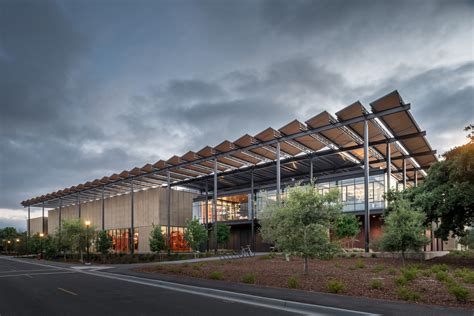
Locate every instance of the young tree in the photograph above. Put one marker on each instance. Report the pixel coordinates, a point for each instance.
(347, 226)
(468, 239)
(104, 242)
(195, 234)
(301, 225)
(35, 244)
(157, 240)
(223, 233)
(404, 229)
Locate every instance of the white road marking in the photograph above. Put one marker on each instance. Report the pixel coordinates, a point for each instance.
(33, 270)
(30, 274)
(69, 292)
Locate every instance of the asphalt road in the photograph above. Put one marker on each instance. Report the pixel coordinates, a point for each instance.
(30, 289)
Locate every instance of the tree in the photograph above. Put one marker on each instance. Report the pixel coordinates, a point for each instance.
(104, 242)
(347, 226)
(73, 236)
(35, 244)
(447, 193)
(404, 229)
(223, 234)
(468, 239)
(195, 234)
(301, 225)
(157, 240)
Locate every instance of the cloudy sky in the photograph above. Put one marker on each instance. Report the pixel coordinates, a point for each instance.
(89, 88)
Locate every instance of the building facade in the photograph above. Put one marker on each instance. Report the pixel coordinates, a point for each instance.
(361, 153)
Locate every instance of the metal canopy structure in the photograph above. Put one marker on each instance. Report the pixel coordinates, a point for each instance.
(321, 146)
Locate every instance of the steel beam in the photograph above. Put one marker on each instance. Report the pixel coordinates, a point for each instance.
(366, 185)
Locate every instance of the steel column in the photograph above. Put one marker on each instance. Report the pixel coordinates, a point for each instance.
(252, 210)
(207, 214)
(132, 219)
(168, 228)
(214, 202)
(29, 220)
(389, 166)
(60, 210)
(278, 189)
(79, 204)
(311, 170)
(366, 185)
(103, 208)
(416, 178)
(42, 219)
(404, 174)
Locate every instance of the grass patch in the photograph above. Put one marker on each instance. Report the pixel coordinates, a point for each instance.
(460, 292)
(407, 294)
(335, 286)
(266, 257)
(410, 274)
(337, 265)
(175, 269)
(293, 282)
(460, 273)
(426, 273)
(439, 267)
(378, 268)
(376, 284)
(392, 271)
(401, 281)
(249, 278)
(442, 276)
(216, 275)
(360, 264)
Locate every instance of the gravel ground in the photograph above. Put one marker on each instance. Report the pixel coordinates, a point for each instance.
(356, 275)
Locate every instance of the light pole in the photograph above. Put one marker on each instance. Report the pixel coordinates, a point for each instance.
(88, 223)
(8, 245)
(41, 244)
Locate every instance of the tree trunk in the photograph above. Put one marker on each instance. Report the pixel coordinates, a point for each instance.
(305, 265)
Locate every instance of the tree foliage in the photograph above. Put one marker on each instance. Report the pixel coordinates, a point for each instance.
(104, 242)
(347, 226)
(195, 234)
(468, 239)
(157, 240)
(301, 225)
(223, 233)
(404, 229)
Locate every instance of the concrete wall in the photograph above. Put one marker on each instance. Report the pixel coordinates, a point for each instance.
(150, 208)
(36, 225)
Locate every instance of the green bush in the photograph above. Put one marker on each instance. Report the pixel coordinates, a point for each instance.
(335, 286)
(469, 277)
(426, 273)
(410, 274)
(407, 294)
(360, 264)
(442, 276)
(376, 284)
(460, 273)
(293, 282)
(249, 278)
(401, 281)
(461, 293)
(439, 267)
(392, 271)
(216, 275)
(378, 268)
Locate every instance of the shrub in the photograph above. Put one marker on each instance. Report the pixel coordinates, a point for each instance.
(378, 268)
(293, 282)
(407, 294)
(439, 267)
(461, 293)
(249, 278)
(216, 275)
(401, 281)
(376, 284)
(442, 276)
(460, 273)
(469, 277)
(426, 273)
(392, 271)
(360, 264)
(335, 286)
(410, 274)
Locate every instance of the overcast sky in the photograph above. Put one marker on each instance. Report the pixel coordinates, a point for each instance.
(90, 88)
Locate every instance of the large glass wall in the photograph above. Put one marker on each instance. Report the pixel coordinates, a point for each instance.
(121, 240)
(229, 208)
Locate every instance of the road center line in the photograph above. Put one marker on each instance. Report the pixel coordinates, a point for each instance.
(69, 292)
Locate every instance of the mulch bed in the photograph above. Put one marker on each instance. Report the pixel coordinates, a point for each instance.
(355, 273)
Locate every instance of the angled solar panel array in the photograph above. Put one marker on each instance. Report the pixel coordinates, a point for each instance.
(248, 151)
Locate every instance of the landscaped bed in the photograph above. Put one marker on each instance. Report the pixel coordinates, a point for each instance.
(382, 278)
